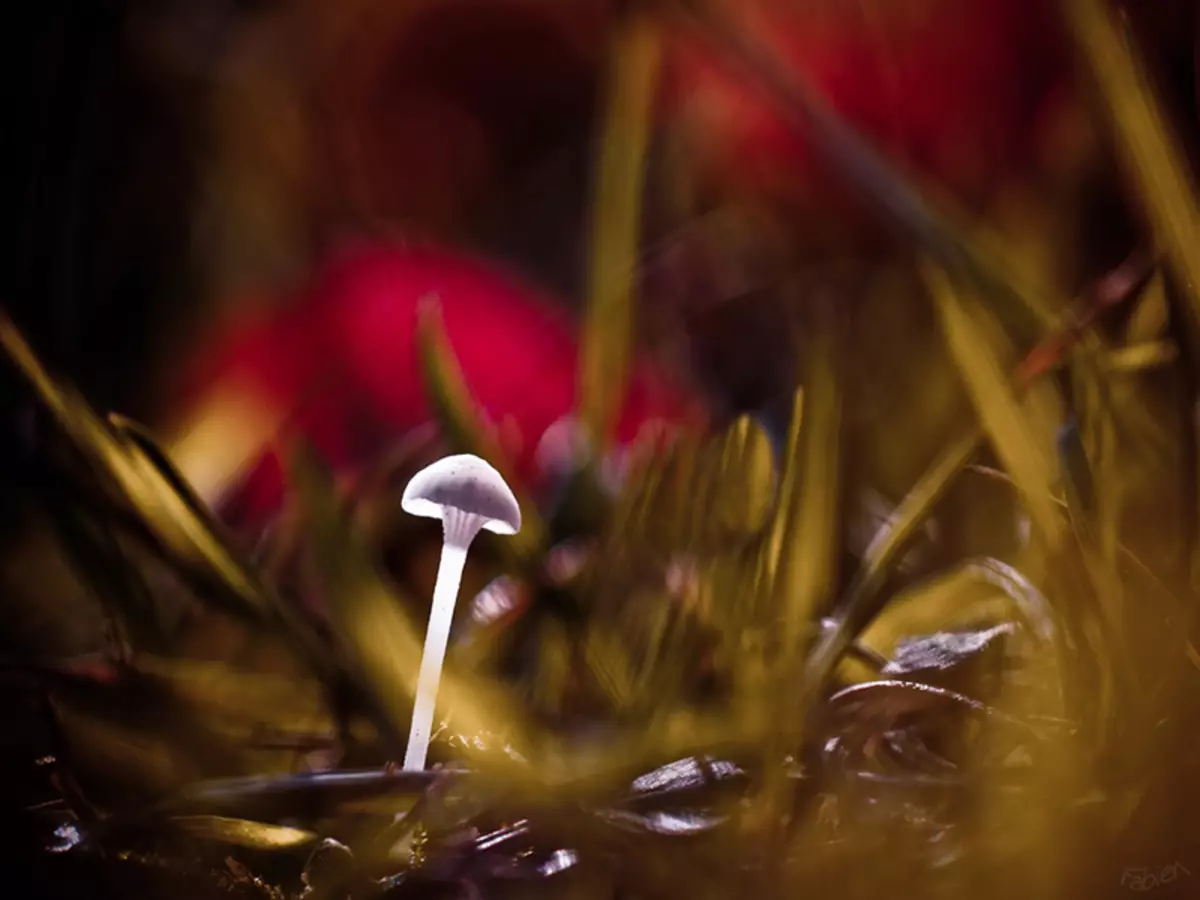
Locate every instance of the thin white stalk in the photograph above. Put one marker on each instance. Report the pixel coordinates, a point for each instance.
(445, 594)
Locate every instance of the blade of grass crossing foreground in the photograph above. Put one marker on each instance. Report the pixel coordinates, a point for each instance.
(973, 341)
(810, 541)
(169, 515)
(1028, 460)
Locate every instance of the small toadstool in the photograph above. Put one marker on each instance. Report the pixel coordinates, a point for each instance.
(467, 494)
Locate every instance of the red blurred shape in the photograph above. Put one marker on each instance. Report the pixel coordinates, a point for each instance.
(342, 362)
(954, 89)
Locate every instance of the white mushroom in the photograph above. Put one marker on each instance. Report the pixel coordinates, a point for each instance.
(467, 494)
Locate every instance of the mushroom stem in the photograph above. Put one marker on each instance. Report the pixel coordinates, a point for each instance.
(459, 531)
(467, 494)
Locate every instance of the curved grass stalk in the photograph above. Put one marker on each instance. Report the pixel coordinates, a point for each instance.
(140, 476)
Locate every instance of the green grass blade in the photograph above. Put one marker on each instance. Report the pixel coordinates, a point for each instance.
(616, 226)
(460, 425)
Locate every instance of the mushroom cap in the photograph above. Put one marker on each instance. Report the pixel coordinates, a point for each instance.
(466, 483)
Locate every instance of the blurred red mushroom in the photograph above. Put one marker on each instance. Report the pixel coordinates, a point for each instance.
(340, 367)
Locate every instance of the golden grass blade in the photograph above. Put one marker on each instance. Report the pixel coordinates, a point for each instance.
(616, 226)
(747, 487)
(607, 658)
(1156, 165)
(1079, 486)
(147, 482)
(1170, 605)
(631, 524)
(146, 444)
(241, 832)
(772, 548)
(167, 513)
(1148, 322)
(972, 340)
(1154, 159)
(807, 565)
(810, 541)
(1187, 340)
(864, 598)
(1139, 357)
(1095, 486)
(1030, 462)
(677, 507)
(1093, 489)
(905, 523)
